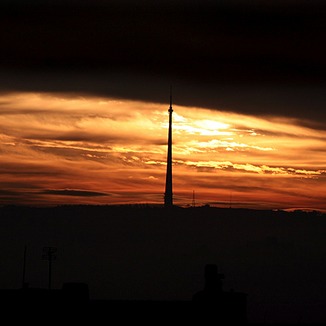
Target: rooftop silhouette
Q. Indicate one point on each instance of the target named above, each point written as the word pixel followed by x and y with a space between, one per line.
pixel 135 256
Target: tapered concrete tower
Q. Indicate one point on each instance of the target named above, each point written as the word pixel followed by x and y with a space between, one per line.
pixel 168 196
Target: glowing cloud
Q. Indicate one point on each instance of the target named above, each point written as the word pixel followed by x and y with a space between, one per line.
pixel 57 148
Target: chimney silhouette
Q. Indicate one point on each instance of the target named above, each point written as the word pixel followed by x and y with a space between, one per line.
pixel 168 196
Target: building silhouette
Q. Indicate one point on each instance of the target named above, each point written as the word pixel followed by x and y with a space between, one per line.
pixel 212 303
pixel 168 196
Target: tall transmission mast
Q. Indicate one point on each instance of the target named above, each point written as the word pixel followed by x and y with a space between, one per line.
pixel 168 196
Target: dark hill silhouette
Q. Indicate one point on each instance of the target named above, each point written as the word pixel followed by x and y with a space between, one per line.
pixel 150 254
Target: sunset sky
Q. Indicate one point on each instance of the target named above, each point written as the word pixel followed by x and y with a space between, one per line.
pixel 85 95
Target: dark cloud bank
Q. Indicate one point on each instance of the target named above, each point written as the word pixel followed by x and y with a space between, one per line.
pixel 251 57
pixel 72 192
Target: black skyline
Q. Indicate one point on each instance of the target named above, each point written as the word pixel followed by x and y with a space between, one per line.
pixel 141 253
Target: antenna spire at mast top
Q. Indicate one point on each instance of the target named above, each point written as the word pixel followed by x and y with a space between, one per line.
pixel 170 109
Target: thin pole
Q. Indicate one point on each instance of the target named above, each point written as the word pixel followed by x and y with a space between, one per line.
pixel 50 269
pixel 24 267
pixel 193 199
pixel 231 199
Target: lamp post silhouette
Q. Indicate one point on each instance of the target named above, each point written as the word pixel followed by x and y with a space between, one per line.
pixel 24 284
pixel 168 196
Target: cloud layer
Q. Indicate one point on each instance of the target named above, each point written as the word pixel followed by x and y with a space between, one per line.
pixel 70 149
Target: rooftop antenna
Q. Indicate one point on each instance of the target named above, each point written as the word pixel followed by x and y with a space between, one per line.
pixel 49 255
pixel 230 199
pixel 193 199
pixel 168 196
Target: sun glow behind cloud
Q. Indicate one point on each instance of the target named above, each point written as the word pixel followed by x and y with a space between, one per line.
pixel 63 149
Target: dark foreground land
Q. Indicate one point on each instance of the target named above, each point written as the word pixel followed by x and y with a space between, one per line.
pixel 37 307
pixel 140 259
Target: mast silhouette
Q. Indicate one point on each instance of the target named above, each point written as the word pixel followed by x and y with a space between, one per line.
pixel 168 196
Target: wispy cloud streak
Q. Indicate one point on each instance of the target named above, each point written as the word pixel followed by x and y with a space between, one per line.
pixel 59 148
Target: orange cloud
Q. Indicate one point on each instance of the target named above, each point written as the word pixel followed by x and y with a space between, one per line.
pixel 58 149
